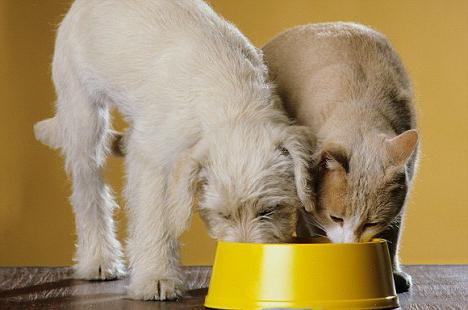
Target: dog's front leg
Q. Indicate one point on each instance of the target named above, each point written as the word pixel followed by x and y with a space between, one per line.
pixel 152 246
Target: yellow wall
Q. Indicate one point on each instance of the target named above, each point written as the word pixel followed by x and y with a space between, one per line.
pixel 36 223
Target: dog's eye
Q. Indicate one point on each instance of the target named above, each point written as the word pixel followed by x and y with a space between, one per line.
pixel 284 151
pixel 265 213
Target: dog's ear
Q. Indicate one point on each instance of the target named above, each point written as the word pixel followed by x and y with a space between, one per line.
pixel 299 143
pixel 185 184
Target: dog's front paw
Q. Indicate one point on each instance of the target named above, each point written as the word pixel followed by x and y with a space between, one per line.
pixel 402 281
pixel 156 289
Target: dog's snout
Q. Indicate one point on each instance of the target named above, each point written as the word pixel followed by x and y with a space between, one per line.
pixel 243 236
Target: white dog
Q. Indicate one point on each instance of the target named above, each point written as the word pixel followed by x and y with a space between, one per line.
pixel 206 130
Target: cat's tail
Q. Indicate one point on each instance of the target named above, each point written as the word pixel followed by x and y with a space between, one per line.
pixel 48 132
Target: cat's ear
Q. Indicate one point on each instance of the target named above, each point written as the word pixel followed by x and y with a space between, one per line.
pixel 334 158
pixel 330 176
pixel 401 147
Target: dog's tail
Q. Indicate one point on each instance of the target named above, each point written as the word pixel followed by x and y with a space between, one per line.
pixel 48 133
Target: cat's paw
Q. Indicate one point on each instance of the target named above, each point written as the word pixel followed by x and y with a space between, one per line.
pixel 100 268
pixel 402 280
pixel 156 289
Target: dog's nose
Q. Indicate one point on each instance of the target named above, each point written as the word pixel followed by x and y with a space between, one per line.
pixel 244 239
pixel 238 238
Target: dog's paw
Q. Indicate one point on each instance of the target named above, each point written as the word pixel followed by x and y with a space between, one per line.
pixel 151 289
pixel 402 281
pixel 100 269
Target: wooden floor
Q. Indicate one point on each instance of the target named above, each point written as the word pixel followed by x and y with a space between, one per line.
pixel 435 287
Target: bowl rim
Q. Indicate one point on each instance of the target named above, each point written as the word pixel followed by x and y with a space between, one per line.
pixel 290 244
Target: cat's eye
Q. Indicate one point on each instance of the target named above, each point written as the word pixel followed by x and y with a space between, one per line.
pixel 370 225
pixel 336 219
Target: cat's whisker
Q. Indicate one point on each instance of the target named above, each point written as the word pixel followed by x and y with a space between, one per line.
pixel 319 235
pixel 315 223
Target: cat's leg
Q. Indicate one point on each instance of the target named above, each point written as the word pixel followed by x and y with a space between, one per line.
pixel 392 235
pixel 83 123
pixel 153 247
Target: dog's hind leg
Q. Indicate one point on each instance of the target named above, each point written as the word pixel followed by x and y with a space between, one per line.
pixel 84 124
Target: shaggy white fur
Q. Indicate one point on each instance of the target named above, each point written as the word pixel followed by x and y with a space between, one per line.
pixel 206 130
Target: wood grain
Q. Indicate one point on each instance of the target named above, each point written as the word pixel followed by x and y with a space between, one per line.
pixel 435 287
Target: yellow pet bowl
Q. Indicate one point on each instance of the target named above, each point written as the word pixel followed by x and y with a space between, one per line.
pixel 304 276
